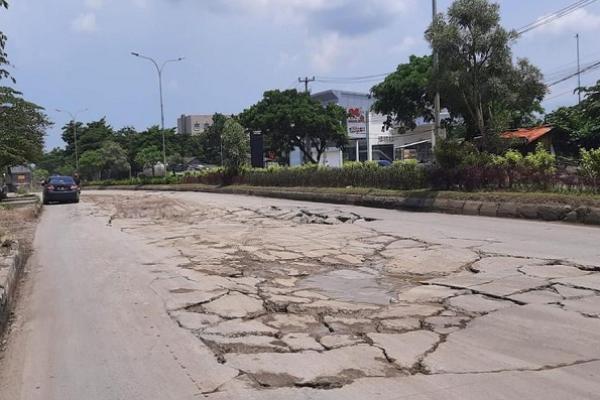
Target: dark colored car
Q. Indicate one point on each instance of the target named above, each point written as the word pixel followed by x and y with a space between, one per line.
pixel 384 163
pixel 61 189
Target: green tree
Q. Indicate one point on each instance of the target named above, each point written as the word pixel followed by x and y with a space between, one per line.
pixel 90 136
pixel 52 160
pixel 90 165
pixel 477 77
pixel 581 122
pixel 236 147
pixel 109 161
pixel 3 56
pixel 22 129
pixel 39 175
pixel 406 94
pixel 148 157
pixel 210 140
pixel 291 119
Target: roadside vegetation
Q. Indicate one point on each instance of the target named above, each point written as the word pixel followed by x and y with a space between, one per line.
pixel 483 87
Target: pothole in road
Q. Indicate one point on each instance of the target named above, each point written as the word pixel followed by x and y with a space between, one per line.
pixel 312 216
pixel 352 286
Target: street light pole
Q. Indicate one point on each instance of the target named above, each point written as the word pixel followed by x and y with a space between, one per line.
pixel 74 124
pixel 159 70
pixel 436 101
pixel 578 70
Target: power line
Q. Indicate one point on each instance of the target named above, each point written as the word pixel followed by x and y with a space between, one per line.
pixel 561 94
pixel 538 23
pixel 583 70
pixel 555 16
pixel 352 78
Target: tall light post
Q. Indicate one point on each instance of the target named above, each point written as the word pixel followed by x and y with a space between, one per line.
pixel 159 70
pixel 578 70
pixel 74 124
pixel 436 101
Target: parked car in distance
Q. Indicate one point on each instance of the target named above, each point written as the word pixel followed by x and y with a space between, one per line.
pixel 384 163
pixel 60 189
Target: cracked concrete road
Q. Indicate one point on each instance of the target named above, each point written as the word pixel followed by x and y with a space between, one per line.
pixel 191 295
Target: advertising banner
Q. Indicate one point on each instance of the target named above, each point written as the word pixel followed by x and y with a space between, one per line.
pixel 357 123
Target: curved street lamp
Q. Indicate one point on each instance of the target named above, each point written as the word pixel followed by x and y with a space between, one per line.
pixel 73 122
pixel 159 70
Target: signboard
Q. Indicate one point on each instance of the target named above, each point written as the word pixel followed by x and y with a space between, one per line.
pixel 357 123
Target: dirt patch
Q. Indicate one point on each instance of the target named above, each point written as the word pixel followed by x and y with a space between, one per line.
pixel 19 224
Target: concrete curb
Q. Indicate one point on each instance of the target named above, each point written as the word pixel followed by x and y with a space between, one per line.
pixel 11 267
pixel 545 212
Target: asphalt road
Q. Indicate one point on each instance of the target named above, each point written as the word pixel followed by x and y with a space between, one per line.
pixel 91 324
pixel 91 327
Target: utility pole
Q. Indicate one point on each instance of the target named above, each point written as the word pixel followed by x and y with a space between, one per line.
pixel 159 70
pixel 436 101
pixel 306 81
pixel 578 69
pixel 74 125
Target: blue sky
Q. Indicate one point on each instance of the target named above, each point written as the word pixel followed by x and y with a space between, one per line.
pixel 75 54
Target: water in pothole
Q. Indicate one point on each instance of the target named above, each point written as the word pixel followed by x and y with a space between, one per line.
pixel 350 285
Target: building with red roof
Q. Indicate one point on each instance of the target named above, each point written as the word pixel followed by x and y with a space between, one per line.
pixel 528 138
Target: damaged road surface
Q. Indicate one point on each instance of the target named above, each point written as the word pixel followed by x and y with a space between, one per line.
pixel 194 295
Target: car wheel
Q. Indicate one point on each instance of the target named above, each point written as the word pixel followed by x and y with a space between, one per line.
pixel 45 202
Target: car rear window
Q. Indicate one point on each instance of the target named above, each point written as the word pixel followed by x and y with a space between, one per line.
pixel 62 180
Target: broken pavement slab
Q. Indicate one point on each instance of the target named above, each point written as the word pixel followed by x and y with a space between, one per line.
pixel 591 281
pixel 405 349
pixel 433 260
pixel 589 306
pixel 235 305
pixel 428 294
pixel 478 304
pixel 339 366
pixel 518 338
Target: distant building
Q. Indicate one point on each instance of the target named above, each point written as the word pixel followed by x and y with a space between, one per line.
pixel 383 143
pixel 528 138
pixel 193 124
pixel 361 122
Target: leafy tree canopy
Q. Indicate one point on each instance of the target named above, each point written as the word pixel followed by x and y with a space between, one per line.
pixel 581 122
pixel 236 147
pixel 22 129
pixel 477 79
pixel 108 161
pixel 291 119
pixel 406 94
pixel 3 56
pixel 210 140
pixel 148 156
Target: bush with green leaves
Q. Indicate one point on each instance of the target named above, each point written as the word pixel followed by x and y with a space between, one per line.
pixel 400 175
pixel 590 167
pixel 236 147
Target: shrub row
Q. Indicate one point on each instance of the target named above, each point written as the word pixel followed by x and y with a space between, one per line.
pixel 401 175
pixel 460 166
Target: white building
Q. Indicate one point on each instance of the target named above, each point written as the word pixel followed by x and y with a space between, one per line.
pixel 193 124
pixel 369 138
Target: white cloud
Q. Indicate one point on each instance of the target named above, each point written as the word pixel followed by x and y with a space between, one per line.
pixel 578 21
pixel 348 17
pixel 407 43
pixel 326 51
pixel 85 23
pixel 332 27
